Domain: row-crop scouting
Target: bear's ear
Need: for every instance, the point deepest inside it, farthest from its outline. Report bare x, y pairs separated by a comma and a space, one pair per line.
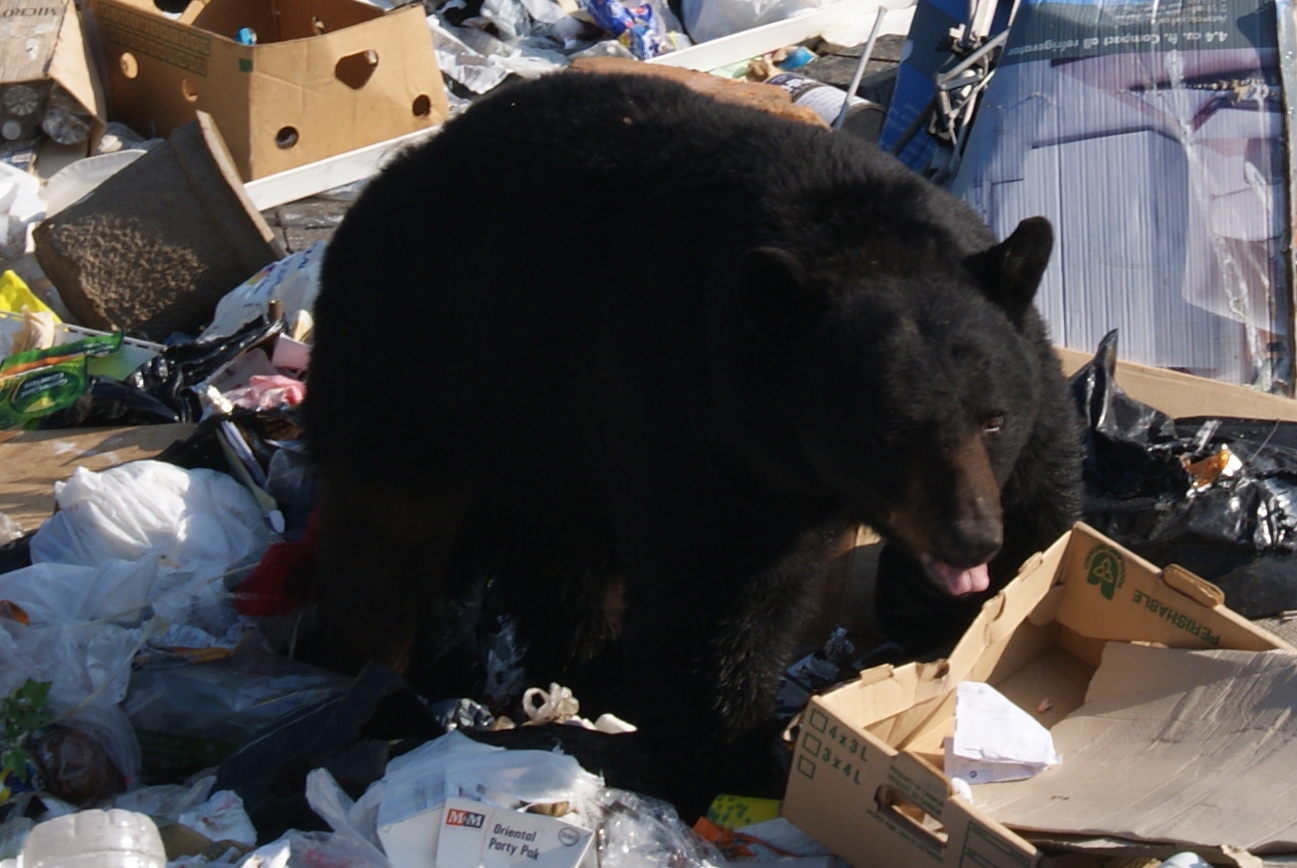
774, 291
1011, 270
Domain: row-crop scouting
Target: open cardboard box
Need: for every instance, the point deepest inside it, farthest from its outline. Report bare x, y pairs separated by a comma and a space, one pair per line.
324, 77
42, 40
865, 778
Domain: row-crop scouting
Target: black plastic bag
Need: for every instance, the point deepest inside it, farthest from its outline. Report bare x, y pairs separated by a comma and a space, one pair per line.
162, 389
171, 375
1216, 495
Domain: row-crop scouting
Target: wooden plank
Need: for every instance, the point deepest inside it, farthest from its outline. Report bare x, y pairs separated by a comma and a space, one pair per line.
32, 461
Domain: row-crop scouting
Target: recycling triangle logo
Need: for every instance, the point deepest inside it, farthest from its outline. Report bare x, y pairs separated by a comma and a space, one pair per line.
1105, 567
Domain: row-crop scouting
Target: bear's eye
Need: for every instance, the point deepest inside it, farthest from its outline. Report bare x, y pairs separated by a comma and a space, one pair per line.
993, 424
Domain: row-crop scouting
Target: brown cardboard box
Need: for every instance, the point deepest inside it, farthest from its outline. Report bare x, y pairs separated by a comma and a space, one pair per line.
42, 39
324, 77
865, 777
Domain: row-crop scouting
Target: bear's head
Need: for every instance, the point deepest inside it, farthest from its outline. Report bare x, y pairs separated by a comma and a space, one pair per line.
904, 381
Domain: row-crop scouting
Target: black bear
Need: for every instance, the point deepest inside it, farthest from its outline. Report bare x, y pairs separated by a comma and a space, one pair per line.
645, 357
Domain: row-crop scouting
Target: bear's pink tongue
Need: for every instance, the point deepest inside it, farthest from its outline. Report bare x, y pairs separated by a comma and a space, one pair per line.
959, 582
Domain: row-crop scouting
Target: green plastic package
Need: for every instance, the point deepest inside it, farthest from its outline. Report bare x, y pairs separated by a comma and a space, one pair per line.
36, 382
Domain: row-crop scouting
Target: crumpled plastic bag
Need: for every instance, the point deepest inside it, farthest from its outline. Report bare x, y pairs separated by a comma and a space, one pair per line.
90, 663
293, 281
200, 520
1217, 496
638, 831
116, 591
21, 206
88, 669
185, 536
705, 20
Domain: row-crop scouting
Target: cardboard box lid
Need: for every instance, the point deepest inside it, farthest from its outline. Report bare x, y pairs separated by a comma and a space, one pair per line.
1085, 586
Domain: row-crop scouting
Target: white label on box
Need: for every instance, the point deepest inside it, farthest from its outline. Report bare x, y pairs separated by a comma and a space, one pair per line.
476, 835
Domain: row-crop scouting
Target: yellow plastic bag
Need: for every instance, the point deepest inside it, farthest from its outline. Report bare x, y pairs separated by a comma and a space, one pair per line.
14, 296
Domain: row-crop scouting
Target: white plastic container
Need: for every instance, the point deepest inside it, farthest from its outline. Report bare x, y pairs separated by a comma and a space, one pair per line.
95, 839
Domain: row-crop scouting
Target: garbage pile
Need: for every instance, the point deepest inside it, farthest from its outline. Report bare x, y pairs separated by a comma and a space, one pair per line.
154, 709
148, 629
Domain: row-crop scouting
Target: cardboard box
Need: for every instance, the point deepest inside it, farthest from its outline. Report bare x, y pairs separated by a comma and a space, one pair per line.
866, 779
325, 76
41, 40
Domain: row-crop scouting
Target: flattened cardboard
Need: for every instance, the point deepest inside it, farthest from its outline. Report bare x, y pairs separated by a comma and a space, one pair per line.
1191, 722
42, 39
32, 461
325, 76
866, 779
1184, 395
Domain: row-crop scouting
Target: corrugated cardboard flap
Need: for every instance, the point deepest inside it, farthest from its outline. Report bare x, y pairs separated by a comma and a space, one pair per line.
1123, 596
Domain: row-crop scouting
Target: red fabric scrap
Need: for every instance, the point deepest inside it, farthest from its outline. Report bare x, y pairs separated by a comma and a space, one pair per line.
283, 581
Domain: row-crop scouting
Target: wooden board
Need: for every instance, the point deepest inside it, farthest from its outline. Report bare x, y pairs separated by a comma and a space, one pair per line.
32, 461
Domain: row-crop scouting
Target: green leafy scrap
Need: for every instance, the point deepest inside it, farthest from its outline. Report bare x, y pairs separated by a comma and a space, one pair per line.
23, 714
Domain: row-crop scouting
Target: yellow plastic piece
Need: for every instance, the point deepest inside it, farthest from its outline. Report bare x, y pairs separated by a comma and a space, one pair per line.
735, 812
14, 296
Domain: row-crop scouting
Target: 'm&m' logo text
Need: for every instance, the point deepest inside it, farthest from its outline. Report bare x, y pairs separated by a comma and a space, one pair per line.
459, 817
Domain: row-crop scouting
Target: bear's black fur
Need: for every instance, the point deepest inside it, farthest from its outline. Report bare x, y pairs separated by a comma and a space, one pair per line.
644, 357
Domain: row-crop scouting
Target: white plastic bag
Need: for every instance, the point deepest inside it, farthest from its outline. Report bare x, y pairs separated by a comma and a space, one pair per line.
293, 281
200, 520
711, 19
21, 206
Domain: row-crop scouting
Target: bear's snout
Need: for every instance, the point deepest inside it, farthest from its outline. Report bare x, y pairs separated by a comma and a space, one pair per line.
951, 518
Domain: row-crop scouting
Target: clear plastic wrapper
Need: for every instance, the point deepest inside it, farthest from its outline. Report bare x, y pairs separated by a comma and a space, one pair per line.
227, 700
314, 850
637, 831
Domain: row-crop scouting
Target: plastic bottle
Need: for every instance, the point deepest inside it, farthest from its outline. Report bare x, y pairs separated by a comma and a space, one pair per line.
864, 118
95, 839
65, 121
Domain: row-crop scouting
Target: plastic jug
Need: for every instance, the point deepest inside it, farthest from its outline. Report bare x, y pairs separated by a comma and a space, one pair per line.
95, 839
